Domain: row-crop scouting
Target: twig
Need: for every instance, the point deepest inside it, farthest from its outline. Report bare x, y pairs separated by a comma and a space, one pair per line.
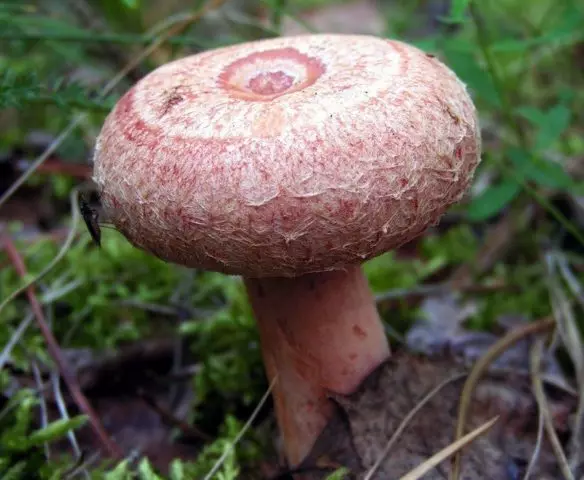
446, 452
57, 355
80, 171
402, 426
538, 391
481, 367
247, 425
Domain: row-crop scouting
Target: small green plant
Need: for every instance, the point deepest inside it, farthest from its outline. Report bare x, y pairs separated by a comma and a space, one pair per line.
339, 474
21, 443
26, 90
220, 453
228, 342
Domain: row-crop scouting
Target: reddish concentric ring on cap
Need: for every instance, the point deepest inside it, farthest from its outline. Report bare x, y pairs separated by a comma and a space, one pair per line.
264, 76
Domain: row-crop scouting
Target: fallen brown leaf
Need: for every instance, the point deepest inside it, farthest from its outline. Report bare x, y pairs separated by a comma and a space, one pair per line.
357, 436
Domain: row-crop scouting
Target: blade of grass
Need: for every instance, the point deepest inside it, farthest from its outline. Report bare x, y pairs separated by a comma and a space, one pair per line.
451, 449
42, 404
535, 365
567, 324
537, 448
480, 367
569, 333
571, 279
14, 339
65, 415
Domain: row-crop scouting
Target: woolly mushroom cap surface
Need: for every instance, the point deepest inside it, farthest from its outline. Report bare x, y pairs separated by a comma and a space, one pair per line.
287, 156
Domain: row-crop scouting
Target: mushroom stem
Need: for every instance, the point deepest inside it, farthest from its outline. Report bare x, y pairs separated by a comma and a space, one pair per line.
320, 333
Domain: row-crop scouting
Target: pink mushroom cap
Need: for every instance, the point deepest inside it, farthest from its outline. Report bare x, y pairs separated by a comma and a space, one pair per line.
287, 156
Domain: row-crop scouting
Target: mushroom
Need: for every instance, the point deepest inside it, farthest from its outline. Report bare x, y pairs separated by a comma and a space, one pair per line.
291, 161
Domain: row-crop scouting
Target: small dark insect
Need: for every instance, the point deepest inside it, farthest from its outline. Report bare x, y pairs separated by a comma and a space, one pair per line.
91, 218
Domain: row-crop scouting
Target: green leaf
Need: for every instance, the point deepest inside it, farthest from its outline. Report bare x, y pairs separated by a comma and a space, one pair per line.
492, 200
540, 171
121, 472
557, 121
521, 161
468, 69
534, 115
55, 430
131, 4
339, 474
550, 174
550, 125
146, 472
13, 437
177, 470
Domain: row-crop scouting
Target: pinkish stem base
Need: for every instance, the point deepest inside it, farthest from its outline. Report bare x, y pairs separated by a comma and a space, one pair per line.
320, 333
